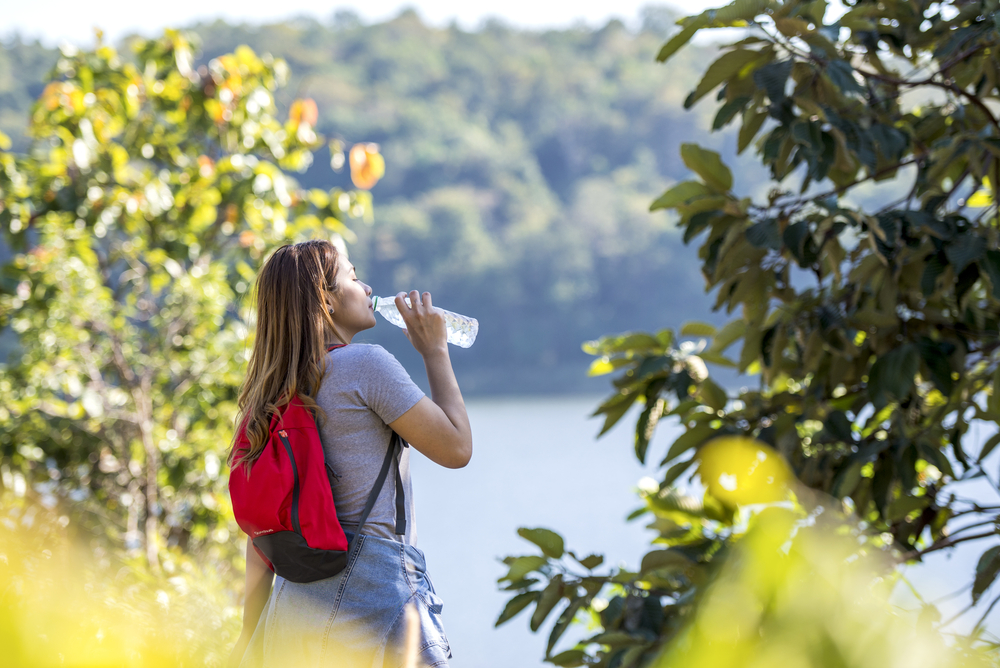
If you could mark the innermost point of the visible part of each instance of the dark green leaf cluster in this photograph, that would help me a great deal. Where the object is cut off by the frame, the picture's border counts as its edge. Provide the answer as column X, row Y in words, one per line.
column 637, row 611
column 873, row 329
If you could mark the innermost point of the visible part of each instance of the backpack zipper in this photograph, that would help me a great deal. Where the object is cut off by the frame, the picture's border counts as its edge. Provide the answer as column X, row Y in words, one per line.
column 295, row 488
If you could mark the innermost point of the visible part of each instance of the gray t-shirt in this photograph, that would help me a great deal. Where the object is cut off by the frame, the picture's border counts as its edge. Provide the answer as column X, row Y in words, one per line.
column 364, row 389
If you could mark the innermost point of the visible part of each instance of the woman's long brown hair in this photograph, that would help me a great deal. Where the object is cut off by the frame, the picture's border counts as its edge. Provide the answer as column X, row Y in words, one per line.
column 289, row 349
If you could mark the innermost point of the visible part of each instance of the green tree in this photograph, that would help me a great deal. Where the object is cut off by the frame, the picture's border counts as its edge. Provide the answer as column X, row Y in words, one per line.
column 872, row 323
column 149, row 188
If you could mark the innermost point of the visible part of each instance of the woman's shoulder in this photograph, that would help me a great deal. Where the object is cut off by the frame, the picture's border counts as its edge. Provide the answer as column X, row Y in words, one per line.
column 369, row 367
column 362, row 353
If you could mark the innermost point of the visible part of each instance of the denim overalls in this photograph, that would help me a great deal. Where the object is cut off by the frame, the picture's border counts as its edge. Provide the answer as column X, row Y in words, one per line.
column 354, row 619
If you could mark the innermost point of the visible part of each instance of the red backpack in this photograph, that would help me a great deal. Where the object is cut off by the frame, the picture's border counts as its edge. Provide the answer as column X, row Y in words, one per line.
column 286, row 505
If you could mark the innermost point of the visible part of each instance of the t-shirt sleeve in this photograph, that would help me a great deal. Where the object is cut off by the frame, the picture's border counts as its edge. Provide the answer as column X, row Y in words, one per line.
column 385, row 387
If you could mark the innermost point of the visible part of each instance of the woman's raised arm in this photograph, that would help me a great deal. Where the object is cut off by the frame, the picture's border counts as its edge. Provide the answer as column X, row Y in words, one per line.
column 439, row 426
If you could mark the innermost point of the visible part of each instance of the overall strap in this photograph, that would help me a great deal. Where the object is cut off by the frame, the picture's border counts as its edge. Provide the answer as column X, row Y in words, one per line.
column 394, row 445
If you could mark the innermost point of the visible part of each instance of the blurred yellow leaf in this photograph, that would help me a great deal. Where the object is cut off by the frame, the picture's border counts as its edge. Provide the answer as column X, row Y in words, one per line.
column 600, row 366
column 980, row 199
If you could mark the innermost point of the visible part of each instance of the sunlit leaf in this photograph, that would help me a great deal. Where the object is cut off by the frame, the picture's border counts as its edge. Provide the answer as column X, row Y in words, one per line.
column 550, row 542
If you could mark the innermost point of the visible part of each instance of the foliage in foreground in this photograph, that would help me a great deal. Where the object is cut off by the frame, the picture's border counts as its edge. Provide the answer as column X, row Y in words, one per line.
column 874, row 330
column 65, row 603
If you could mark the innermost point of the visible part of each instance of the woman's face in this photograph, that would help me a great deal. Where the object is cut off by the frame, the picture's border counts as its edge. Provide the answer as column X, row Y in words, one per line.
column 352, row 306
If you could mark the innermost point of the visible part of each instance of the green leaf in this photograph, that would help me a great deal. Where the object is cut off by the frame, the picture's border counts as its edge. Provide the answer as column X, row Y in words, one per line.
column 646, row 425
column 737, row 13
column 516, row 605
column 690, row 27
column 842, row 75
column 932, row 271
column 964, row 250
column 847, row 480
column 993, row 401
column 772, row 78
column 798, row 238
column 990, row 265
column 636, row 514
column 936, row 357
column 729, row 334
column 989, row 445
column 740, row 61
column 629, row 342
column 692, row 438
column 712, row 395
column 695, row 328
column 729, row 110
column 892, row 375
column 550, row 596
column 986, row 572
column 614, row 409
column 698, row 222
column 708, row 165
column 617, row 639
column 681, row 193
column 589, row 562
column 715, row 358
column 752, row 120
column 568, row 613
column 765, row 234
column 521, row 566
column 550, row 542
column 882, row 483
column 659, row 559
column 905, row 505
column 839, row 426
column 571, row 657
column 670, row 500
column 676, row 471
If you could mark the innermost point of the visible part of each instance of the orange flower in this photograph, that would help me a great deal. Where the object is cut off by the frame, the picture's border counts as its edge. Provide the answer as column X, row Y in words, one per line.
column 367, row 165
column 51, row 95
column 206, row 166
column 304, row 111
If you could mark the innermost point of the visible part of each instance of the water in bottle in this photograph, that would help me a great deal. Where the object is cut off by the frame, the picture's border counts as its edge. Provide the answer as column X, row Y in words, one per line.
column 462, row 330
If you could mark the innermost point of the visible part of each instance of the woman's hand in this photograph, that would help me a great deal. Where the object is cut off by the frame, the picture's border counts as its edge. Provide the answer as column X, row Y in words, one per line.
column 425, row 326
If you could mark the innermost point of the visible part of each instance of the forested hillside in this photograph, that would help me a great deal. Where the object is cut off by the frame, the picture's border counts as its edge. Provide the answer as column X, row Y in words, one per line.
column 520, row 168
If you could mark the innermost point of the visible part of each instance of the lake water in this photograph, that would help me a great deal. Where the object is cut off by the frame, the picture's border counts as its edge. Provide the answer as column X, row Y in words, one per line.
column 537, row 463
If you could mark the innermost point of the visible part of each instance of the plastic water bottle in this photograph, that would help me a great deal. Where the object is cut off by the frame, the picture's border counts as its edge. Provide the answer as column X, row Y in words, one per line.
column 462, row 330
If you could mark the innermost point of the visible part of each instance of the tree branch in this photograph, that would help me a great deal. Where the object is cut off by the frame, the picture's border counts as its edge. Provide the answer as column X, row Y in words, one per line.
column 916, row 157
column 944, row 85
column 951, row 542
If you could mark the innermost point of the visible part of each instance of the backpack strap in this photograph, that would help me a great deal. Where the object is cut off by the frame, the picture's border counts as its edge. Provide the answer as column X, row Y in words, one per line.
column 377, row 487
column 400, row 499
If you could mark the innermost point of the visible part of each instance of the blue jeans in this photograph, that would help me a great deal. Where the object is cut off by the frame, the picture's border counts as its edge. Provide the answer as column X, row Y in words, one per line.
column 356, row 618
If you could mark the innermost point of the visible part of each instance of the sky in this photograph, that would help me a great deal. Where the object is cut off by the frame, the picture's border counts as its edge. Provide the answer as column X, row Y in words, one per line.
column 57, row 21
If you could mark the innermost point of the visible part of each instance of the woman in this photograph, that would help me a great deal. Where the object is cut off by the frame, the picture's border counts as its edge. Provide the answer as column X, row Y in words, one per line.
column 308, row 299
